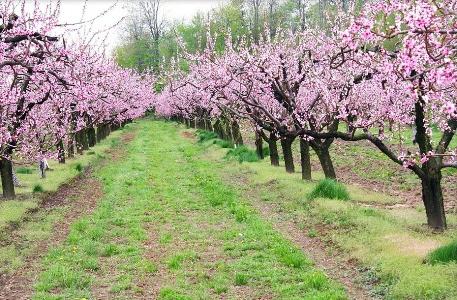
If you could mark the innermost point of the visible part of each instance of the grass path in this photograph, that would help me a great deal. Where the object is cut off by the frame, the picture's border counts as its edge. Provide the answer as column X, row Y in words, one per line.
column 167, row 227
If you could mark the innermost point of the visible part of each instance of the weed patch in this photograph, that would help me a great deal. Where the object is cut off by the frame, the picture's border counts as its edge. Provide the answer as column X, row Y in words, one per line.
column 38, row 188
column 242, row 154
column 330, row 189
column 444, row 254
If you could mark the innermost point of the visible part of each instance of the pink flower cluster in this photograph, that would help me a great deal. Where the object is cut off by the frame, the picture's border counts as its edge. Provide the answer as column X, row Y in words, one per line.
column 51, row 89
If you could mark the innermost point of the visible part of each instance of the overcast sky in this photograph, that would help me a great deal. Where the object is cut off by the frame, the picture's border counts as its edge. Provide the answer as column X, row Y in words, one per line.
column 172, row 10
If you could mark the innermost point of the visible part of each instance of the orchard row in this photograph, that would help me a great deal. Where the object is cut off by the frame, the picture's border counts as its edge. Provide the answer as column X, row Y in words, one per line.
column 365, row 77
column 55, row 93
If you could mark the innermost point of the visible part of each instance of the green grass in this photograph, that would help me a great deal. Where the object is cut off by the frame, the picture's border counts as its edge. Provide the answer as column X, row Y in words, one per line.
column 204, row 136
column 38, row 188
column 331, row 189
column 242, row 154
column 24, row 170
column 33, row 228
column 176, row 215
column 391, row 243
column 444, row 254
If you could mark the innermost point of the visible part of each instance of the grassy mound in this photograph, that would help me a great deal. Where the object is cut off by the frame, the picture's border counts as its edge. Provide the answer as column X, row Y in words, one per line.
column 243, row 154
column 444, row 254
column 331, row 189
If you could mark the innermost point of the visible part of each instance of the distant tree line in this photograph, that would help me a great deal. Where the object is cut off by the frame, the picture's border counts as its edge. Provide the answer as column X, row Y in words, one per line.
column 153, row 43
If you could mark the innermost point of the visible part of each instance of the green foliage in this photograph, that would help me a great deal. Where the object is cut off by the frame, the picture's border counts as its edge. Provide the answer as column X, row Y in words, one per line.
column 331, row 189
column 38, row 188
column 79, row 167
column 444, row 254
column 24, row 170
column 243, row 154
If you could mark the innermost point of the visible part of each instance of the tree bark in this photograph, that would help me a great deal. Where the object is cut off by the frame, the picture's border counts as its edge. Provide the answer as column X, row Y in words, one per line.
column 228, row 131
column 99, row 133
column 60, row 152
column 91, row 136
column 432, row 195
column 237, row 137
column 115, row 126
column 325, row 159
column 274, row 156
column 6, row 172
column 79, row 142
column 305, row 160
column 259, row 145
column 84, row 140
column 286, row 145
column 71, row 145
column 218, row 128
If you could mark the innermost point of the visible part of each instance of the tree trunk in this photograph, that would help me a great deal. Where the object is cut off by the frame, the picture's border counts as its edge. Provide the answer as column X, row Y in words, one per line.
column 91, row 136
column 432, row 195
column 99, row 133
column 259, row 145
column 237, row 137
column 115, row 126
column 107, row 130
column 84, row 140
column 305, row 160
column 228, row 131
column 218, row 128
column 274, row 156
column 61, row 152
column 71, row 145
column 6, row 172
column 326, row 161
column 286, row 145
column 201, row 123
column 79, row 143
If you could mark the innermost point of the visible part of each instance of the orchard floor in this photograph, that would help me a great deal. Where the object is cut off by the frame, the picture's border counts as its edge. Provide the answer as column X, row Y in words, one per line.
column 166, row 217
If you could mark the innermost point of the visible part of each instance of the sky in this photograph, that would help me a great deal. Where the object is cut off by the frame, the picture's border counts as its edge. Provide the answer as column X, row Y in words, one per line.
column 172, row 10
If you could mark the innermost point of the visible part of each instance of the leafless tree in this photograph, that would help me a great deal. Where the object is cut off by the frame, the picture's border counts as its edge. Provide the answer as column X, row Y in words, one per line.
column 154, row 24
column 256, row 5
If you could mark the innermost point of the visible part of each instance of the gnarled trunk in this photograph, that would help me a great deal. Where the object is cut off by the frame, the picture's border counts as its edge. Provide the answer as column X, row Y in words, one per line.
column 432, row 195
column 61, row 152
column 305, row 160
column 273, row 146
column 209, row 125
column 91, row 136
column 71, row 145
column 325, row 159
column 6, row 172
column 259, row 145
column 84, row 140
column 286, row 145
column 236, row 133
column 79, row 142
column 218, row 128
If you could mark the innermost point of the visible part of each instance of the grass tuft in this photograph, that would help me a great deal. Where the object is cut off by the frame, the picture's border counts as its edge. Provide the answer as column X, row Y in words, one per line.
column 38, row 188
column 223, row 143
column 79, row 167
column 204, row 136
column 444, row 254
column 243, row 154
column 24, row 170
column 241, row 279
column 331, row 189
